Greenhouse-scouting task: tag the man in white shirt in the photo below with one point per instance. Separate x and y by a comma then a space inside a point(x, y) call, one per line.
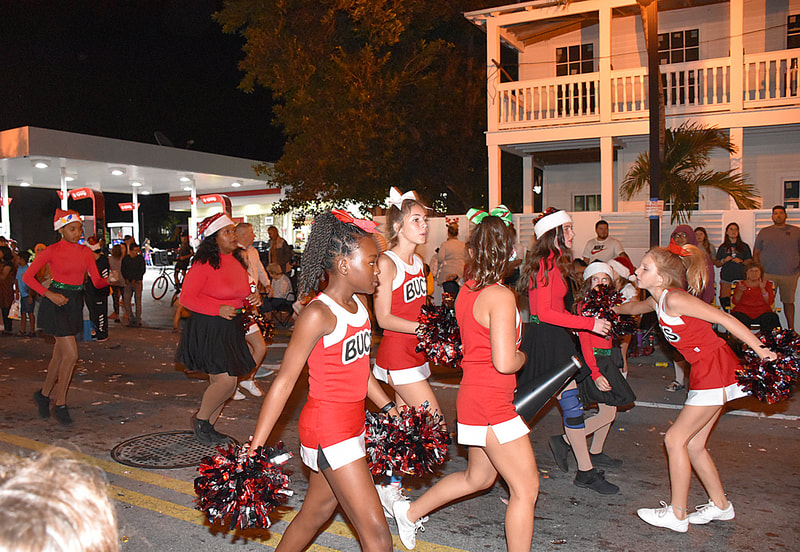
point(602, 248)
point(255, 341)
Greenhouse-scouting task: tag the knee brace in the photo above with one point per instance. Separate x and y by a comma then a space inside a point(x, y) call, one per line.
point(571, 409)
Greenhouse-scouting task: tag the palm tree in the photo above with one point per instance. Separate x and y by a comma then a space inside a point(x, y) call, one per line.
point(684, 171)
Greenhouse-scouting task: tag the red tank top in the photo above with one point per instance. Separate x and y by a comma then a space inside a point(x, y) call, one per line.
point(409, 289)
point(692, 337)
point(338, 366)
point(477, 362)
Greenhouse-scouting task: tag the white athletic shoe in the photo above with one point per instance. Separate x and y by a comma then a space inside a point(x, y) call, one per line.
point(663, 517)
point(711, 512)
point(406, 529)
point(251, 387)
point(238, 396)
point(389, 494)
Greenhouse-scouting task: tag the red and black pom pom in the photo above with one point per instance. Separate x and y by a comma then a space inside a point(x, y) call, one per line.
point(771, 381)
point(252, 316)
point(239, 489)
point(413, 443)
point(439, 336)
point(600, 303)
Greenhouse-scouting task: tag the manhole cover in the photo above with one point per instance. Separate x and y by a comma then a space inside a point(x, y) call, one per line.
point(166, 450)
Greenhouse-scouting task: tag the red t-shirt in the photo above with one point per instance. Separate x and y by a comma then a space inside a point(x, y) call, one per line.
point(69, 263)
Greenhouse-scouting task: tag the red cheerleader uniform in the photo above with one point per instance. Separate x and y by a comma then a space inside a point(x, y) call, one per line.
point(712, 379)
point(338, 371)
point(397, 352)
point(485, 395)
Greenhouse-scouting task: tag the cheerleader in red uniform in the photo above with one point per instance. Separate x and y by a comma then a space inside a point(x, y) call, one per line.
point(549, 344)
point(686, 323)
point(61, 310)
point(333, 335)
point(401, 292)
point(488, 423)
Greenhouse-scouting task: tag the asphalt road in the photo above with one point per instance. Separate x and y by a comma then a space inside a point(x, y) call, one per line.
point(129, 386)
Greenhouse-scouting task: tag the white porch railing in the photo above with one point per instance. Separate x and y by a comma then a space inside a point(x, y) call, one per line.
point(770, 79)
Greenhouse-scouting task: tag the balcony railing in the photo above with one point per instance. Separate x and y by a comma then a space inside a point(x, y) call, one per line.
point(769, 79)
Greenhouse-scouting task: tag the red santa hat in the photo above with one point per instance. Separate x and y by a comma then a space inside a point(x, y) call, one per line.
point(92, 243)
point(213, 224)
point(62, 218)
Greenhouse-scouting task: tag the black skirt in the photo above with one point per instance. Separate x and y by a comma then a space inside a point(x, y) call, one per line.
point(610, 366)
point(214, 345)
point(62, 321)
point(549, 348)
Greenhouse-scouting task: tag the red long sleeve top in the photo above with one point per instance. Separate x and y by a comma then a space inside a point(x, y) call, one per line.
point(752, 303)
point(204, 289)
point(69, 263)
point(547, 300)
point(589, 342)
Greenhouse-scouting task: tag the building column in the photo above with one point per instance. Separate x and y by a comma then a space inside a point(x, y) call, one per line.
point(5, 221)
point(64, 192)
point(527, 184)
point(605, 64)
point(135, 197)
point(606, 174)
point(193, 219)
point(737, 140)
point(737, 55)
point(495, 177)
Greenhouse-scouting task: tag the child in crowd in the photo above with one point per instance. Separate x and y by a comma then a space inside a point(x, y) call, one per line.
point(27, 298)
point(332, 335)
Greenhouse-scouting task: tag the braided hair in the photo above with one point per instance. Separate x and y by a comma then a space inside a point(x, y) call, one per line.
point(208, 252)
point(329, 238)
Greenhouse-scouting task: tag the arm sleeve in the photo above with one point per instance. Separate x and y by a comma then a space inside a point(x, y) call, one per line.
point(758, 245)
point(587, 250)
point(192, 296)
point(588, 354)
point(30, 275)
point(771, 294)
point(720, 253)
point(550, 304)
point(747, 252)
point(619, 249)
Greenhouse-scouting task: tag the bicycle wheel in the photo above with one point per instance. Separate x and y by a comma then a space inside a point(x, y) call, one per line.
point(160, 286)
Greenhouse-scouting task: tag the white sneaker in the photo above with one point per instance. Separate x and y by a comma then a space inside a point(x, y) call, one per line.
point(238, 396)
point(251, 387)
point(711, 512)
point(406, 529)
point(663, 517)
point(389, 494)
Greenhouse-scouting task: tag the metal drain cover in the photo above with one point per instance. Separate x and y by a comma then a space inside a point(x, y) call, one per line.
point(166, 450)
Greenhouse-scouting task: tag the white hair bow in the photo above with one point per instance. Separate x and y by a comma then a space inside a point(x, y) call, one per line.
point(397, 199)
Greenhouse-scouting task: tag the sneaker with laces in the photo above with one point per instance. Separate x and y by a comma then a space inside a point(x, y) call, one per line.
point(605, 461)
point(674, 386)
point(594, 480)
point(663, 517)
point(238, 396)
point(407, 529)
point(711, 512)
point(389, 494)
point(251, 387)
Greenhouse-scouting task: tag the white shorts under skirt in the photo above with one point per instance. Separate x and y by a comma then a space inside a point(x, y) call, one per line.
point(715, 397)
point(404, 376)
point(505, 432)
point(338, 455)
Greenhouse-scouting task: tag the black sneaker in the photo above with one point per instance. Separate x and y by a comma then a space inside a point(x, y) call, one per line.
point(202, 430)
point(42, 403)
point(560, 450)
point(62, 415)
point(595, 481)
point(605, 461)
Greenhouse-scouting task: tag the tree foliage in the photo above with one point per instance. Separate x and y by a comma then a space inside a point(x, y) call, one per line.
point(684, 171)
point(371, 94)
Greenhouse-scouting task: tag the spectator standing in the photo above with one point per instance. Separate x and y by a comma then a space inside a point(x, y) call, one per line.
point(147, 249)
point(133, 269)
point(27, 299)
point(731, 256)
point(753, 299)
point(701, 235)
point(450, 261)
point(777, 249)
point(602, 248)
point(8, 275)
point(185, 253)
point(97, 298)
point(280, 252)
point(118, 252)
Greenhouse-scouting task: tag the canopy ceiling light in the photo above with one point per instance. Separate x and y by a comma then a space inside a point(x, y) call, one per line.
point(135, 183)
point(40, 163)
point(145, 192)
point(236, 184)
point(24, 183)
point(69, 178)
point(185, 178)
point(187, 189)
point(117, 171)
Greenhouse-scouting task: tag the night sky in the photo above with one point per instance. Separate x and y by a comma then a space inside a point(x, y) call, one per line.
point(125, 69)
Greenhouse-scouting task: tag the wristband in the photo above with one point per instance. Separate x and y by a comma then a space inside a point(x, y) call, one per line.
point(387, 407)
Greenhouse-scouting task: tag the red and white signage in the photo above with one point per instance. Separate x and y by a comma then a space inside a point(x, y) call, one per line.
point(128, 206)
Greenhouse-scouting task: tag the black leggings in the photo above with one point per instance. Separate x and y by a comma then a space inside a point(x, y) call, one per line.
point(6, 319)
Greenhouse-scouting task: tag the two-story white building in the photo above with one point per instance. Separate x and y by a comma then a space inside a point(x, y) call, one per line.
point(574, 107)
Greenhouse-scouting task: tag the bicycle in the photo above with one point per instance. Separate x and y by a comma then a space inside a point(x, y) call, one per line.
point(163, 281)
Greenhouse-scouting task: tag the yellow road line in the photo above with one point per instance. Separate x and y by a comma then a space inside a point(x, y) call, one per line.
point(184, 513)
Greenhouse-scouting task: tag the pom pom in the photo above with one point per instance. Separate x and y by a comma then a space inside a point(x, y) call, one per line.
point(600, 303)
point(771, 381)
point(239, 489)
point(252, 316)
point(439, 336)
point(413, 443)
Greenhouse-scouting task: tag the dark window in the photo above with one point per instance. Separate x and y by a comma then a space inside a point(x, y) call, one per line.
point(575, 60)
point(793, 32)
point(586, 202)
point(791, 193)
point(679, 46)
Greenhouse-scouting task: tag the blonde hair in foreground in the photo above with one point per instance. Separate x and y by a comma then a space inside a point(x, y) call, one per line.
point(676, 270)
point(55, 504)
